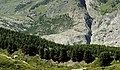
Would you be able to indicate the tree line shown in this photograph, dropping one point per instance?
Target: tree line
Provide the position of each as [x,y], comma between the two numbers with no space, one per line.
[32,45]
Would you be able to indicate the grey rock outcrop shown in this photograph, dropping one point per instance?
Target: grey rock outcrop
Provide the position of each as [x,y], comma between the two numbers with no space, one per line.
[76,35]
[69,37]
[105,28]
[106,31]
[80,33]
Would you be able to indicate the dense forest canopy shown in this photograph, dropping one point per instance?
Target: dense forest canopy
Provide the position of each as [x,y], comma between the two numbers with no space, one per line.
[32,45]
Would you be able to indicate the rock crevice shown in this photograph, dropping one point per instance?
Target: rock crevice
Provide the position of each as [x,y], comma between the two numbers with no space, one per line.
[88,22]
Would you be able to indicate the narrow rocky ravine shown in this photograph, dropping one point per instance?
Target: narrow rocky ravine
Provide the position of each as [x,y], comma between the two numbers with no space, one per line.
[88,22]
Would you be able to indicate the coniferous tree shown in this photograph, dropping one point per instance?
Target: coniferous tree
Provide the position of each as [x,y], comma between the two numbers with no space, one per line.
[56,56]
[105,59]
[11,49]
[46,54]
[32,50]
[80,55]
[117,55]
[63,55]
[41,53]
[88,57]
[52,53]
[74,55]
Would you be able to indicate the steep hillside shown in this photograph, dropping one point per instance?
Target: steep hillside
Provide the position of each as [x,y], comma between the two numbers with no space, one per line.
[23,52]
[46,17]
[64,21]
[105,27]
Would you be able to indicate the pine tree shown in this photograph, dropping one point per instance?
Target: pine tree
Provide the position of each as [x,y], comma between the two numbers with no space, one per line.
[105,59]
[41,53]
[52,53]
[80,55]
[46,54]
[74,55]
[88,57]
[63,55]
[117,55]
[56,56]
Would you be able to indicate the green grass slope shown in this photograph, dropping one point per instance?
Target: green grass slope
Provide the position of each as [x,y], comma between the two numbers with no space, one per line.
[108,6]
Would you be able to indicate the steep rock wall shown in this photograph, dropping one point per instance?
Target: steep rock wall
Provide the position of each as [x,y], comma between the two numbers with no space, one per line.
[81,33]
[105,28]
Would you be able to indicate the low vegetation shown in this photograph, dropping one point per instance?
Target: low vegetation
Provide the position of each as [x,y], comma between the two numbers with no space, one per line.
[47,25]
[108,6]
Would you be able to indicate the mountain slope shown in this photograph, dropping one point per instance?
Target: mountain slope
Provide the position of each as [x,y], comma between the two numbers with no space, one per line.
[105,27]
[46,17]
[64,21]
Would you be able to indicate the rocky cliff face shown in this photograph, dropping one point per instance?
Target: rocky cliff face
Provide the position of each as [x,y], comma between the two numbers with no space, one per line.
[105,28]
[64,21]
[80,33]
[102,28]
